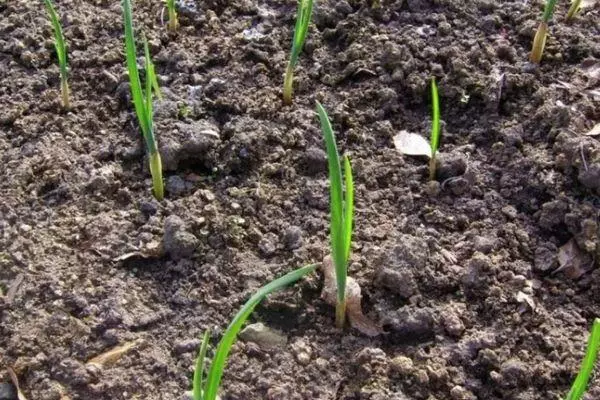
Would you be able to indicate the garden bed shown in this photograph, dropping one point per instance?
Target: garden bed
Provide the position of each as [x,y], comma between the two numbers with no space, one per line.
[462,273]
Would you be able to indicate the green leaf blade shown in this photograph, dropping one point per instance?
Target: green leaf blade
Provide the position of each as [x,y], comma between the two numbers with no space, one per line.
[218,364]
[198,380]
[61,51]
[549,10]
[435,125]
[303,17]
[587,366]
[348,208]
[150,78]
[336,202]
[134,78]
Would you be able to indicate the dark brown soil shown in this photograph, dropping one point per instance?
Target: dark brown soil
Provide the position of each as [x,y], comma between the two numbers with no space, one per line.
[461,272]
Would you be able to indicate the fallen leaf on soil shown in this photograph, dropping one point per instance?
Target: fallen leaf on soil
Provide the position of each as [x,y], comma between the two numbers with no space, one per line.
[572,260]
[595,131]
[353,297]
[412,144]
[112,356]
[15,382]
[588,3]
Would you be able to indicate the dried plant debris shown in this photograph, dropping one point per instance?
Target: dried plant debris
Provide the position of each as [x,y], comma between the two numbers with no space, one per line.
[412,144]
[14,287]
[113,355]
[354,297]
[595,131]
[573,261]
[15,382]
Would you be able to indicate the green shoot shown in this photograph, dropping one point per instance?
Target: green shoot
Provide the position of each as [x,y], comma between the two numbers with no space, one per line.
[435,127]
[198,382]
[574,9]
[173,22]
[215,373]
[539,41]
[341,214]
[61,52]
[141,101]
[300,31]
[587,366]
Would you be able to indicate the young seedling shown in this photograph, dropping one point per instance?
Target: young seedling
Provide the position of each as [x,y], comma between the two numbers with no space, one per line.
[61,52]
[539,41]
[342,208]
[587,366]
[574,9]
[143,101]
[173,22]
[207,389]
[435,128]
[300,31]
[415,145]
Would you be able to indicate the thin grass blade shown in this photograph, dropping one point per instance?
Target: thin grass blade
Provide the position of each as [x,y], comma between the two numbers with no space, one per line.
[198,380]
[301,29]
[172,11]
[59,42]
[435,112]
[573,9]
[218,364]
[348,208]
[61,52]
[587,366]
[150,78]
[134,78]
[549,10]
[339,249]
[336,200]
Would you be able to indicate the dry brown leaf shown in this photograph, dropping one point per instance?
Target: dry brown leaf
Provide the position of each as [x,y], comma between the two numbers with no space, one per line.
[572,261]
[595,131]
[353,297]
[113,355]
[15,382]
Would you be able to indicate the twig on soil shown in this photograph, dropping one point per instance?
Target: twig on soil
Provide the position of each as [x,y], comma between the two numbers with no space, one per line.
[583,156]
[14,287]
[113,355]
[501,83]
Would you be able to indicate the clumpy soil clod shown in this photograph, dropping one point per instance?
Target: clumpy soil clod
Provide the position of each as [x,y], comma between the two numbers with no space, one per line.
[460,272]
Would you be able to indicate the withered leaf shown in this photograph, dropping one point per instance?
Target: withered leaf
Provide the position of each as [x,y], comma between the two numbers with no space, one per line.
[595,131]
[572,260]
[353,298]
[113,355]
